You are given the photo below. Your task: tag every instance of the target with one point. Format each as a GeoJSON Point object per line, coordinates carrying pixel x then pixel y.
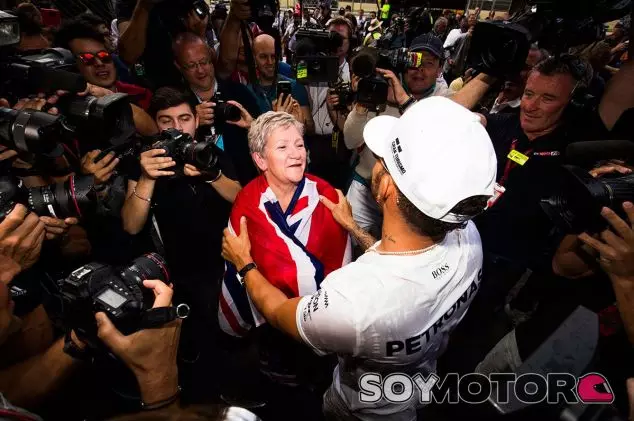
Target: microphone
{"type": "Point", "coordinates": [587, 154]}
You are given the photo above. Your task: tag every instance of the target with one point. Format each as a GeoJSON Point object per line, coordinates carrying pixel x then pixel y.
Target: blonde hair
{"type": "Point", "coordinates": [265, 124]}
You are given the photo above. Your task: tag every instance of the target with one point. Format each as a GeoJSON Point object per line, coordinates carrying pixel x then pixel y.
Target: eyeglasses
{"type": "Point", "coordinates": [201, 63]}
{"type": "Point", "coordinates": [90, 59]}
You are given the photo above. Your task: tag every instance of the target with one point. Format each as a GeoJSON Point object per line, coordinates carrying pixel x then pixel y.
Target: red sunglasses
{"type": "Point", "coordinates": [89, 59]}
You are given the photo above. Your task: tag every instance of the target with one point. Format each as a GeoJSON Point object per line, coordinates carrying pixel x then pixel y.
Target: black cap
{"type": "Point", "coordinates": [428, 42]}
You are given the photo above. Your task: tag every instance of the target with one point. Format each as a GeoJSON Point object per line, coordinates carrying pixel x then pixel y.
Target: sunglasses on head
{"type": "Point", "coordinates": [89, 59]}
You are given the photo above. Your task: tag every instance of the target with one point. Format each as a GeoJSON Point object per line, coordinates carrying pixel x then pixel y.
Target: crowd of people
{"type": "Point", "coordinates": [325, 240]}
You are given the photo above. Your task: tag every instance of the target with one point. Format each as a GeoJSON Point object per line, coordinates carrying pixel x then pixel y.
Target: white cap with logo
{"type": "Point", "coordinates": [438, 153]}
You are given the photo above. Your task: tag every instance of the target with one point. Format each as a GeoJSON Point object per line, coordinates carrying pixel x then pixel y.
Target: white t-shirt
{"type": "Point", "coordinates": [452, 37]}
{"type": "Point", "coordinates": [388, 313]}
{"type": "Point", "coordinates": [318, 93]}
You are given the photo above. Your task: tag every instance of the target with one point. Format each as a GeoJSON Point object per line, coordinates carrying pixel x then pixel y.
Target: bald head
{"type": "Point", "coordinates": [265, 59]}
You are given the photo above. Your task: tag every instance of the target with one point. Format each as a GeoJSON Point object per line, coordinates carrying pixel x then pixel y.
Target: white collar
{"type": "Point", "coordinates": [200, 100]}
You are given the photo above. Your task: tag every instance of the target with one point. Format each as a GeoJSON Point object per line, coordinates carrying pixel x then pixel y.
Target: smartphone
{"type": "Point", "coordinates": [283, 88]}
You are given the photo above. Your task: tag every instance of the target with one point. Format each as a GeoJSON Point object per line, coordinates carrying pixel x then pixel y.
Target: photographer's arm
{"type": "Point", "coordinates": [227, 188]}
{"type": "Point", "coordinates": [230, 37]}
{"type": "Point", "coordinates": [133, 33]}
{"type": "Point", "coordinates": [618, 96]}
{"type": "Point", "coordinates": [135, 209]}
{"type": "Point", "coordinates": [353, 127]}
{"type": "Point", "coordinates": [473, 92]}
{"type": "Point", "coordinates": [27, 383]}
{"type": "Point", "coordinates": [571, 259]}
{"type": "Point", "coordinates": [143, 122]}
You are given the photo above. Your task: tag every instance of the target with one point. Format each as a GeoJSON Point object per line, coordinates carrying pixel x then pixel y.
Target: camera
{"type": "Point", "coordinates": [31, 133]}
{"type": "Point", "coordinates": [200, 8]}
{"type": "Point", "coordinates": [500, 48]}
{"type": "Point", "coordinates": [223, 111]}
{"type": "Point", "coordinates": [576, 205]}
{"type": "Point", "coordinates": [263, 13]}
{"type": "Point", "coordinates": [315, 59]}
{"type": "Point", "coordinates": [72, 198]}
{"type": "Point", "coordinates": [185, 150]}
{"type": "Point", "coordinates": [346, 97]}
{"type": "Point", "coordinates": [118, 292]}
{"type": "Point", "coordinates": [104, 123]}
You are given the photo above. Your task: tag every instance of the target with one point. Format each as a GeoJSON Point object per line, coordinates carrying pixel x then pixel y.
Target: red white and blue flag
{"type": "Point", "coordinates": [294, 250]}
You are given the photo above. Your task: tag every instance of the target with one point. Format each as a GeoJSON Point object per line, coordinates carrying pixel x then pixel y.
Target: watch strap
{"type": "Point", "coordinates": [71, 349]}
{"type": "Point", "coordinates": [242, 272]}
{"type": "Point", "coordinates": [405, 106]}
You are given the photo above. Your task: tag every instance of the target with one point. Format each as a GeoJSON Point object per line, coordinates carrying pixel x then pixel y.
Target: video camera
{"type": "Point", "coordinates": [118, 292]}
{"type": "Point", "coordinates": [185, 150]}
{"type": "Point", "coordinates": [373, 88]}
{"type": "Point", "coordinates": [500, 48]}
{"type": "Point", "coordinates": [72, 198]}
{"type": "Point", "coordinates": [315, 59]}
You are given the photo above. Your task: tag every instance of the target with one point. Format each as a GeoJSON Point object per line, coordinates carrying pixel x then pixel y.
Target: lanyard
{"type": "Point", "coordinates": [510, 164]}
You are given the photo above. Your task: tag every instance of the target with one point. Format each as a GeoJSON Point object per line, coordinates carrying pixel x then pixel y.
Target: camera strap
{"type": "Point", "coordinates": [160, 316]}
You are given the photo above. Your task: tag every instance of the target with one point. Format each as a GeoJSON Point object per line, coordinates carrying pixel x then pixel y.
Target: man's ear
{"type": "Point", "coordinates": [260, 162]}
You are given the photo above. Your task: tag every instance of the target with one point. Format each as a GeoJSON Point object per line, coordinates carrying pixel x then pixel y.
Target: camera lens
{"type": "Point", "coordinates": [63, 200]}
{"type": "Point", "coordinates": [148, 266]}
{"type": "Point", "coordinates": [227, 112]}
{"type": "Point", "coordinates": [201, 155]}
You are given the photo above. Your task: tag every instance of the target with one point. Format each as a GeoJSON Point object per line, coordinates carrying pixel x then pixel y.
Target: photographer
{"type": "Point", "coordinates": [421, 83]}
{"type": "Point", "coordinates": [95, 64]}
{"type": "Point", "coordinates": [328, 160]}
{"type": "Point", "coordinates": [366, 311]}
{"type": "Point", "coordinates": [547, 122]}
{"type": "Point", "coordinates": [195, 60]}
{"type": "Point", "coordinates": [146, 28]}
{"type": "Point", "coordinates": [184, 215]}
{"type": "Point", "coordinates": [265, 91]}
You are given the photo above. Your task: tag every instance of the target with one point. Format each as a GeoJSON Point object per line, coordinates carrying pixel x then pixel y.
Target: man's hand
{"type": "Point", "coordinates": [96, 91]}
{"type": "Point", "coordinates": [101, 170]}
{"type": "Point", "coordinates": [6, 153]}
{"type": "Point", "coordinates": [245, 118]}
{"type": "Point", "coordinates": [153, 164]}
{"type": "Point", "coordinates": [396, 93]}
{"type": "Point", "coordinates": [40, 102]}
{"type": "Point", "coordinates": [240, 9]}
{"type": "Point", "coordinates": [283, 103]}
{"type": "Point", "coordinates": [354, 82]}
{"type": "Point", "coordinates": [341, 211]}
{"type": "Point", "coordinates": [610, 168]}
{"type": "Point", "coordinates": [21, 236]}
{"type": "Point", "coordinates": [205, 112]}
{"type": "Point", "coordinates": [149, 353]}
{"type": "Point", "coordinates": [57, 227]}
{"type": "Point", "coordinates": [190, 171]}
{"type": "Point", "coordinates": [237, 249]}
{"type": "Point", "coordinates": [332, 100]}
{"type": "Point", "coordinates": [616, 246]}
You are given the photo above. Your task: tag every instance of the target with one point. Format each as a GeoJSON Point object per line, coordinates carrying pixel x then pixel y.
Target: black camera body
{"type": "Point", "coordinates": [223, 111]}
{"type": "Point", "coordinates": [72, 198]}
{"type": "Point", "coordinates": [50, 70]}
{"type": "Point", "coordinates": [263, 12]}
{"type": "Point", "coordinates": [183, 149]}
{"type": "Point", "coordinates": [31, 133]}
{"type": "Point", "coordinates": [315, 59]}
{"type": "Point", "coordinates": [346, 97]}
{"type": "Point", "coordinates": [118, 292]}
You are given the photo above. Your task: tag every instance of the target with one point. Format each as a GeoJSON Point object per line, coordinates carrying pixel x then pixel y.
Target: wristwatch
{"type": "Point", "coordinates": [242, 272]}
{"type": "Point", "coordinates": [406, 104]}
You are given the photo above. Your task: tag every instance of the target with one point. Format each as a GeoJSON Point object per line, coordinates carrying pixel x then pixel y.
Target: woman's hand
{"type": "Point", "coordinates": [245, 118]}
{"type": "Point", "coordinates": [237, 249]}
{"type": "Point", "coordinates": [153, 165]}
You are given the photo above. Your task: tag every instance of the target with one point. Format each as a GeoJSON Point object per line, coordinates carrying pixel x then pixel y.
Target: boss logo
{"type": "Point", "coordinates": [440, 271]}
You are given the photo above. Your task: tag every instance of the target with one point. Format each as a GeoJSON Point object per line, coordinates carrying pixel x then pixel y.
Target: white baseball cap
{"type": "Point", "coordinates": [438, 153]}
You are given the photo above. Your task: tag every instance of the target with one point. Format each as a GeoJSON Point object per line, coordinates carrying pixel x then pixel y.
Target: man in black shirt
{"type": "Point", "coordinates": [517, 237]}
{"type": "Point", "coordinates": [147, 28]}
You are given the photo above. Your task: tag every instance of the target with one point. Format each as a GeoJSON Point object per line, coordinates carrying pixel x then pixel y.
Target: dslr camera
{"type": "Point", "coordinates": [346, 97]}
{"type": "Point", "coordinates": [183, 149]}
{"type": "Point", "coordinates": [118, 292]}
{"type": "Point", "coordinates": [72, 198]}
{"type": "Point", "coordinates": [223, 111]}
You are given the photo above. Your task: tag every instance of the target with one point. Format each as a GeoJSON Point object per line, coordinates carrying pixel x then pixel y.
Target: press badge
{"type": "Point", "coordinates": [498, 191]}
{"type": "Point", "coordinates": [335, 139]}
{"type": "Point", "coordinates": [517, 157]}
